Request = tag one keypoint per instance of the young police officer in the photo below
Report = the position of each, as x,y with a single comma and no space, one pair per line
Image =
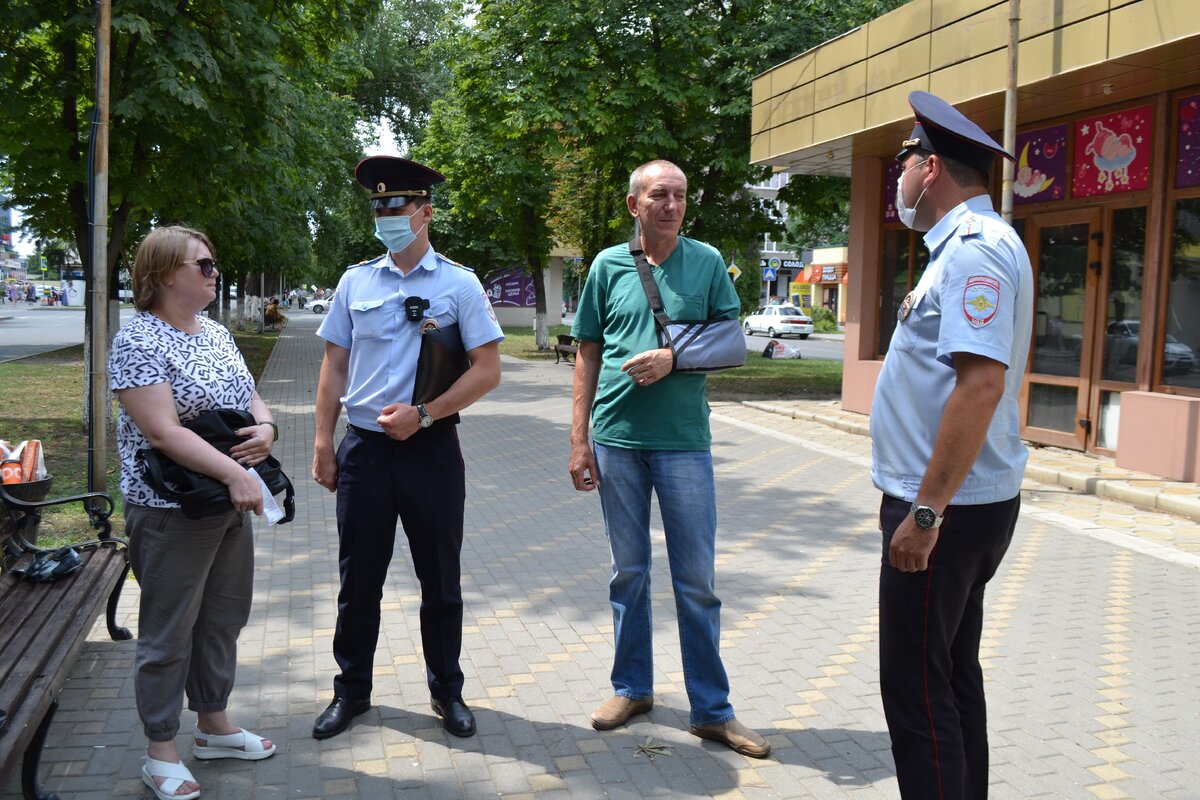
947,454
398,459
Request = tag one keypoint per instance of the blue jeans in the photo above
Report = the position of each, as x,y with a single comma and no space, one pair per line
683,482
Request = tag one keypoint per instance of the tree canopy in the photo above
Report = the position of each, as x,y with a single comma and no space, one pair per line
551,105
241,117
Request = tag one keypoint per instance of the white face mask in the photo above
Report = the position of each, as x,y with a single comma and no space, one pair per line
908,216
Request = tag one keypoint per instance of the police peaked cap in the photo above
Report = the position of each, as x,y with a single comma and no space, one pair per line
942,129
391,176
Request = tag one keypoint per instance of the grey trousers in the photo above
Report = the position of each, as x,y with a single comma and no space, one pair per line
196,579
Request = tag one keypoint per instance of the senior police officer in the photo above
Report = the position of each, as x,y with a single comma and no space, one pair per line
946,452
399,459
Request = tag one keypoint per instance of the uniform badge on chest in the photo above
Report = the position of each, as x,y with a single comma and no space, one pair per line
906,307
428,325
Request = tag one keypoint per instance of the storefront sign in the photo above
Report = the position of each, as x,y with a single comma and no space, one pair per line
1187,162
512,289
1041,165
1112,153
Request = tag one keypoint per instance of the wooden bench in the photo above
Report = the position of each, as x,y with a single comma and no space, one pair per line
566,349
43,625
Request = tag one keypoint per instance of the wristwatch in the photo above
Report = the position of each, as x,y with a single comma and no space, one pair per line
426,420
925,517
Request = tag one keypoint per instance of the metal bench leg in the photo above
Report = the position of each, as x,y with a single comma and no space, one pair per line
33,755
115,631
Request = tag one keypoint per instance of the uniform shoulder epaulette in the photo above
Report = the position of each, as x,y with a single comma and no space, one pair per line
452,262
970,226
366,261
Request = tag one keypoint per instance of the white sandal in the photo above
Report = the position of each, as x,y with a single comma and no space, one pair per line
243,744
176,775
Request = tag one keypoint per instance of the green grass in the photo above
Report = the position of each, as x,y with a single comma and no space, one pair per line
43,399
520,343
761,378
778,379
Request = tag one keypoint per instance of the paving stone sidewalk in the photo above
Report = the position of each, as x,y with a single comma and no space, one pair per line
1090,638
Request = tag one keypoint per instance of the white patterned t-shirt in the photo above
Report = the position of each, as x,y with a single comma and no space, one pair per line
205,371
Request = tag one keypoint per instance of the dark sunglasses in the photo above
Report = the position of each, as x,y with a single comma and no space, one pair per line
208,266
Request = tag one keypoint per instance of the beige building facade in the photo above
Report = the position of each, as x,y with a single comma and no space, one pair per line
1106,197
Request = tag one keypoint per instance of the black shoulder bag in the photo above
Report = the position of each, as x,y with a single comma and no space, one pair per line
708,345
201,495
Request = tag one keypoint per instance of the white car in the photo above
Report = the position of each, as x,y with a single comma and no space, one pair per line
1122,345
778,321
320,306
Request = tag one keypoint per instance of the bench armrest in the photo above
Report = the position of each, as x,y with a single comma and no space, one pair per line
21,515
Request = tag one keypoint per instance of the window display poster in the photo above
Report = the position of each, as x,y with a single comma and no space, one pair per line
891,175
1187,162
1112,153
1041,165
513,288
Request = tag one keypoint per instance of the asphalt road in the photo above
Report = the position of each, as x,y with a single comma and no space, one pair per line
820,348
28,330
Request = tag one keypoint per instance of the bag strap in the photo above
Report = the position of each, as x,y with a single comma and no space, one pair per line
151,466
648,284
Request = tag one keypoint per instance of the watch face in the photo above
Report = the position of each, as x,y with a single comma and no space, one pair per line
925,516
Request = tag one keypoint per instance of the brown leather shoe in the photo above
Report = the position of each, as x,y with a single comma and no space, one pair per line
736,736
616,711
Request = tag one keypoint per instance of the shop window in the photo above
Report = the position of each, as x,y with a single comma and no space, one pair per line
1124,314
1181,343
1052,407
1060,303
903,263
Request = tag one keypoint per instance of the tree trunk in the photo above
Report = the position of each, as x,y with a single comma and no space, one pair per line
541,333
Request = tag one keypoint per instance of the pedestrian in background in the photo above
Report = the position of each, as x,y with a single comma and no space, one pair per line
398,459
169,364
650,432
947,452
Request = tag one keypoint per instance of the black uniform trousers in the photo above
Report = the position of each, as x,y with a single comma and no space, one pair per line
421,481
930,624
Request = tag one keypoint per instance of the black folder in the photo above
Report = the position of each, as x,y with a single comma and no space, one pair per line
443,360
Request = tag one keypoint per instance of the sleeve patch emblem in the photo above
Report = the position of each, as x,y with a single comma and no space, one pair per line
981,300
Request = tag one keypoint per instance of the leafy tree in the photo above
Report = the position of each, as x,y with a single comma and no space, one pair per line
587,90
226,115
818,211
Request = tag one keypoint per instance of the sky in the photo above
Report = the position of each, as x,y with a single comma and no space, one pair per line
21,244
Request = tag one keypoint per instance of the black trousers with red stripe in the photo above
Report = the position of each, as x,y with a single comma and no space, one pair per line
930,624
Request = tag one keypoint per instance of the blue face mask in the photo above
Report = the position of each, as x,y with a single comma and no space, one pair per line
396,233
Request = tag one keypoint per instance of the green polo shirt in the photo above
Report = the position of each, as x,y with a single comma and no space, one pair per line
670,414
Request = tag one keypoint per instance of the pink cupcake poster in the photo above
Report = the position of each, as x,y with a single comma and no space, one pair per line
1112,153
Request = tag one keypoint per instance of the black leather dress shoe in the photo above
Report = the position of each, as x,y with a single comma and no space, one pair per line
336,718
456,717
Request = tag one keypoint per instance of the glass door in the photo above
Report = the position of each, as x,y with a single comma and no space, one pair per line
1065,251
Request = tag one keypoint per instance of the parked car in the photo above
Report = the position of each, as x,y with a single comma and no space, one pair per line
1122,344
320,306
778,321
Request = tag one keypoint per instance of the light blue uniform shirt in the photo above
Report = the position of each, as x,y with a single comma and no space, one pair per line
977,297
367,318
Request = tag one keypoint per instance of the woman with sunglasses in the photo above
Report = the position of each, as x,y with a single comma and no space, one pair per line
168,364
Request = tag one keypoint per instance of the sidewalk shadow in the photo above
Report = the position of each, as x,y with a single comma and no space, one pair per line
581,757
